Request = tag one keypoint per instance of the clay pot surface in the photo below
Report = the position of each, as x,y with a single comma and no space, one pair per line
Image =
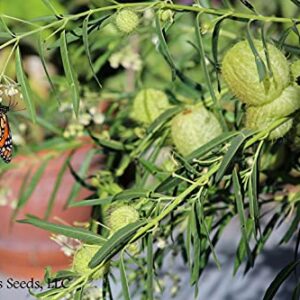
24,249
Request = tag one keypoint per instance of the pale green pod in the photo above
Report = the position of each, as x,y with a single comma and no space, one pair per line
239,71
82,258
295,72
193,128
127,20
121,216
148,105
259,118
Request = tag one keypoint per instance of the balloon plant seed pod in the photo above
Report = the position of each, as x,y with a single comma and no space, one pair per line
82,258
148,105
121,216
239,71
194,127
295,72
268,100
259,118
127,20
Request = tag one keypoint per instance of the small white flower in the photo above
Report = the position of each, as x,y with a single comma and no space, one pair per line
22,127
18,139
161,243
92,110
85,119
92,293
3,201
99,118
13,204
67,245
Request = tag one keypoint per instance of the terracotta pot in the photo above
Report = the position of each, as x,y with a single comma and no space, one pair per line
24,249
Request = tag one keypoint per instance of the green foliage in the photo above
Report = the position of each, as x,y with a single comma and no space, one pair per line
182,203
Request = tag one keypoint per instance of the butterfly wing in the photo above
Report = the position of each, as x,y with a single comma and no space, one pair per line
5,139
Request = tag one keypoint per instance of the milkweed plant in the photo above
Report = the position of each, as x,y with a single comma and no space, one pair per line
201,126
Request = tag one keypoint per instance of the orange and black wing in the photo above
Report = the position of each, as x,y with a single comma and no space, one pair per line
5,139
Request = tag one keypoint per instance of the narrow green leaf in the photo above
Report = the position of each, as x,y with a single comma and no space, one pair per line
57,184
164,50
79,294
85,38
116,242
82,172
31,187
69,231
296,292
248,5
216,107
124,282
163,119
41,51
49,5
260,65
5,27
297,2
263,35
170,181
279,279
70,74
241,251
293,227
150,266
241,210
109,144
234,147
252,194
25,89
215,43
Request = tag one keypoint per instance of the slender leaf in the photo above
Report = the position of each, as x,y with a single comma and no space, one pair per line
117,241
44,64
82,172
241,210
170,182
248,5
70,74
124,281
260,65
85,38
69,231
234,147
25,89
279,279
57,184
150,266
215,43
31,187
297,2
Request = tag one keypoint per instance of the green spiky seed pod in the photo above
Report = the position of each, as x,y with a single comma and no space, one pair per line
148,105
193,128
121,216
239,71
259,118
166,15
82,258
295,72
127,20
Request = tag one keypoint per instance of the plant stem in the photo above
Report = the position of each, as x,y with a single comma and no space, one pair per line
144,5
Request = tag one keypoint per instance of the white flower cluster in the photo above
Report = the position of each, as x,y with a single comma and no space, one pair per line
127,58
76,127
67,245
8,91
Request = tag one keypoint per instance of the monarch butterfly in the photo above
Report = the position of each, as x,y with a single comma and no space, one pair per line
5,135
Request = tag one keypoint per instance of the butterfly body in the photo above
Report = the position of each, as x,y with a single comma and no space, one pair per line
5,135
